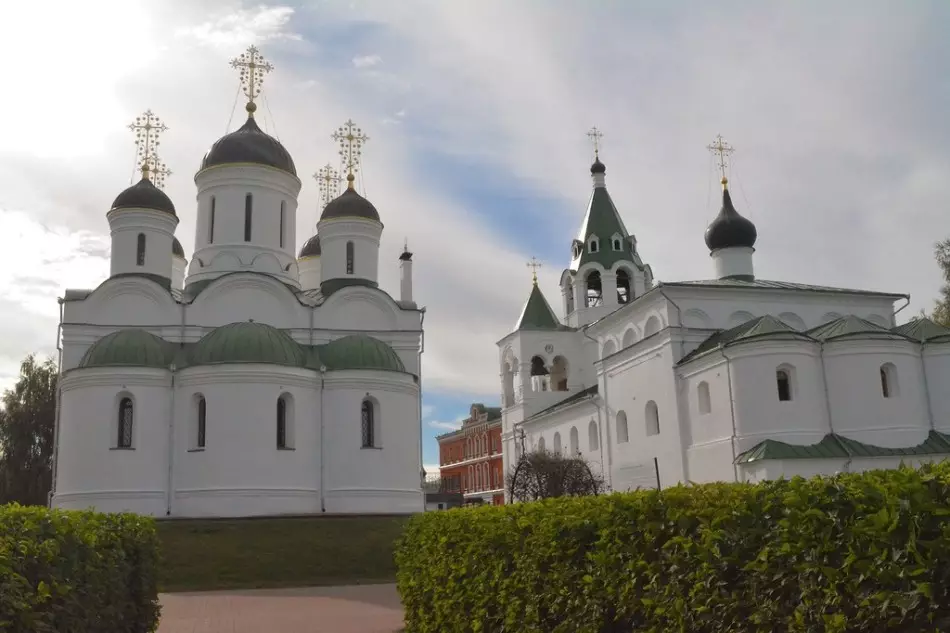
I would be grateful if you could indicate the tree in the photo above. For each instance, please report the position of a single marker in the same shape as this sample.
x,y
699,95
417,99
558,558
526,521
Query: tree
x,y
540,475
26,434
941,313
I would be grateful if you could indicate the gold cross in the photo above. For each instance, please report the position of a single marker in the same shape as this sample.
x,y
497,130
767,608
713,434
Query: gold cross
x,y
595,135
534,265
158,171
328,180
722,149
351,139
252,69
147,128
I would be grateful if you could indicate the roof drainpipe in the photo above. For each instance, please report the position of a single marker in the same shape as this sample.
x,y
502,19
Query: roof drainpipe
x,y
323,470
923,373
422,348
732,414
906,303
603,424
824,382
684,457
169,483
59,390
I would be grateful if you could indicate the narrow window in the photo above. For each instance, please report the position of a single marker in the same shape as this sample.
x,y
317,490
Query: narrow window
x,y
653,418
705,403
541,444
248,207
884,390
593,246
623,433
140,251
592,438
202,416
557,443
616,245
282,212
369,432
349,258
126,417
889,386
211,223
784,383
623,286
575,443
281,423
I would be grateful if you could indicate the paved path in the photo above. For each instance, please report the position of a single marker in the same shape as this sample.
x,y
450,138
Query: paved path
x,y
356,609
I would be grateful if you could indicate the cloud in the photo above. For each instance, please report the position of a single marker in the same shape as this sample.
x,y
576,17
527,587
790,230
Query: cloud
x,y
231,29
445,426
367,61
427,410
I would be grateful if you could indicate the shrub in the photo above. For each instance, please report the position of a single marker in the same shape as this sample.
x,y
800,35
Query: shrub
x,y
854,552
80,572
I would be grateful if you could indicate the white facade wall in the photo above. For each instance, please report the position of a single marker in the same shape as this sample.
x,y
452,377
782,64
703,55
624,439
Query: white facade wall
x,y
936,359
364,234
309,270
158,227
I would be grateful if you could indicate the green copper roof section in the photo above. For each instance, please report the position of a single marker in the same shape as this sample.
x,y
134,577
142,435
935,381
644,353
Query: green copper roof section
x,y
129,348
330,286
603,220
922,330
755,329
849,326
766,284
838,446
537,313
247,342
359,351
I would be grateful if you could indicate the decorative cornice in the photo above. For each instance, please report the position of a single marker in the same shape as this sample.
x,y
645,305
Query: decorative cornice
x,y
247,373
112,376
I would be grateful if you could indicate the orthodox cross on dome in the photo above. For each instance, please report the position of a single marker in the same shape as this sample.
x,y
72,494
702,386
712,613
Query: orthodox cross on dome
x,y
595,135
148,128
158,171
328,181
722,149
534,265
351,139
252,68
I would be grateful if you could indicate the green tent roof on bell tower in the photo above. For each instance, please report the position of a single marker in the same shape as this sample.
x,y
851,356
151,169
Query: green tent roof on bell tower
x,y
537,313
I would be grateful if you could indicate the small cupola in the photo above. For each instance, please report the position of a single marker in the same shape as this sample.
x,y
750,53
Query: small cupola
x,y
729,229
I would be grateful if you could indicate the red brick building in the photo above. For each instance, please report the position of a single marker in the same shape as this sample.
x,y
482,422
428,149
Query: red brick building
x,y
470,459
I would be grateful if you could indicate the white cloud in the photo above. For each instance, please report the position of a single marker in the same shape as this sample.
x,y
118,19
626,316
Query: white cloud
x,y
234,28
445,426
427,410
367,61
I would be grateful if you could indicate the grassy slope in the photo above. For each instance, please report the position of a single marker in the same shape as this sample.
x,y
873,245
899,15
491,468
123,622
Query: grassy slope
x,y
277,552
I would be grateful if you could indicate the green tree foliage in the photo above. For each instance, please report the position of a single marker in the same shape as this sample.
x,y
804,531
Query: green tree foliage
x,y
941,313
26,434
853,553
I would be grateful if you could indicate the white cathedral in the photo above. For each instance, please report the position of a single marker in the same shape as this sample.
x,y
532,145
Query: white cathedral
x,y
261,382
728,378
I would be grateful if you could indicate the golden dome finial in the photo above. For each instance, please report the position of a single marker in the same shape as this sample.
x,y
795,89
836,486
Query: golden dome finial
x,y
252,69
148,128
351,139
534,265
595,135
328,180
722,149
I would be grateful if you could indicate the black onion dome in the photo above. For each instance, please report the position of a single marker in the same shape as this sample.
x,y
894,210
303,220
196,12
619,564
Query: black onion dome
x,y
350,204
144,195
598,167
177,249
730,229
249,144
311,248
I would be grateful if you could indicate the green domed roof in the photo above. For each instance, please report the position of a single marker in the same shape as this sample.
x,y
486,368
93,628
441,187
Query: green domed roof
x,y
247,342
359,351
129,348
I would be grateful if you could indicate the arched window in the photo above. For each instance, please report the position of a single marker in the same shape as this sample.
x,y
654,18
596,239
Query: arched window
x,y
201,422
569,296
282,423
617,246
594,289
283,212
557,444
559,374
540,381
702,393
541,443
652,418
140,251
349,258
889,386
126,419
623,433
368,412
211,223
248,211
783,381
623,286
508,386
594,245
593,439
575,442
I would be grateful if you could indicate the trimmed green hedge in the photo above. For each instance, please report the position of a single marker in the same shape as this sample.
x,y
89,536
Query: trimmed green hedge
x,y
77,572
854,552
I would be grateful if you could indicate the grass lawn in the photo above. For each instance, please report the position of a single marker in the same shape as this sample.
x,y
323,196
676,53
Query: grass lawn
x,y
202,555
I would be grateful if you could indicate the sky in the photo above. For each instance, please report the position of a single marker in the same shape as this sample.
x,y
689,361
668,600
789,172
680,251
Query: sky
x,y
477,113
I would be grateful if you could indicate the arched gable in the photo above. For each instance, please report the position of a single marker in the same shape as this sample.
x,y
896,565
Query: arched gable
x,y
358,308
247,296
630,336
738,318
266,263
696,318
793,321
126,301
652,325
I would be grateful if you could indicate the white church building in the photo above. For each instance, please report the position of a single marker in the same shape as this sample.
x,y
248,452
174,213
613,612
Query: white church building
x,y
261,382
727,378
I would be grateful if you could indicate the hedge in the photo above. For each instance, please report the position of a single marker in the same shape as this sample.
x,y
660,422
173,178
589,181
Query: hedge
x,y
77,572
853,552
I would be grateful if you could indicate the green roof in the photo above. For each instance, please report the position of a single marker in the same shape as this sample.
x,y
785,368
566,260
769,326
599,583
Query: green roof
x,y
922,330
765,284
603,220
247,342
330,286
129,348
838,446
755,329
359,351
537,313
574,398
849,325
